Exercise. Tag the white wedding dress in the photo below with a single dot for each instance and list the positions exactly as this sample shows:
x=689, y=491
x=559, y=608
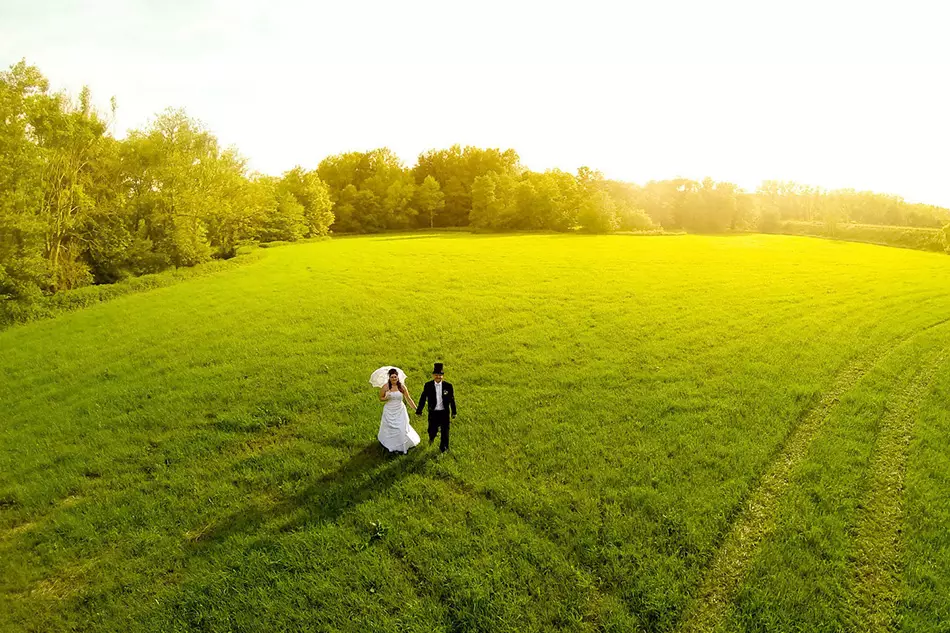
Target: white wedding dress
x=395, y=432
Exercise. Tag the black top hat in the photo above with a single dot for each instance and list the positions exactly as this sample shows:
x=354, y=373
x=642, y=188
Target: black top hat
x=437, y=369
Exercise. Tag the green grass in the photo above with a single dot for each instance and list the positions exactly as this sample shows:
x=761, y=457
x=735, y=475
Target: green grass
x=925, y=561
x=203, y=456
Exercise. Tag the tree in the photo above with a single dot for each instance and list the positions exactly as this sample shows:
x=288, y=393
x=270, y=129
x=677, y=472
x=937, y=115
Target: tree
x=238, y=208
x=530, y=206
x=73, y=136
x=746, y=217
x=455, y=169
x=630, y=219
x=397, y=204
x=598, y=213
x=484, y=202
x=630, y=214
x=565, y=202
x=50, y=146
x=23, y=269
x=174, y=170
x=429, y=200
x=716, y=206
x=282, y=218
x=79, y=206
x=369, y=211
x=382, y=191
x=494, y=203
x=598, y=210
x=314, y=195
x=344, y=211
x=538, y=198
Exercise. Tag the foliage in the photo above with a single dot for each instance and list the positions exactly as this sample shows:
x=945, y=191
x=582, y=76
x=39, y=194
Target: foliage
x=715, y=207
x=44, y=307
x=313, y=195
x=371, y=191
x=429, y=200
x=456, y=168
x=924, y=239
x=78, y=206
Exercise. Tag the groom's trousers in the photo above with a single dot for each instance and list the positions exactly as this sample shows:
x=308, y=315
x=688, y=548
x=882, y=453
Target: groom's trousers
x=439, y=424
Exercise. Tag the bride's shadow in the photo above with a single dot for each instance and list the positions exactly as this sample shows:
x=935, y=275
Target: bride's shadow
x=365, y=475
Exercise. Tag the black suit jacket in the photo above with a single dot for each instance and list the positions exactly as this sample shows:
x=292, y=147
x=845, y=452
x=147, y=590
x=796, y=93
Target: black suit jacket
x=428, y=397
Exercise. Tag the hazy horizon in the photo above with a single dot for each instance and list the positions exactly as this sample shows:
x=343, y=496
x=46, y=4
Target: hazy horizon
x=843, y=96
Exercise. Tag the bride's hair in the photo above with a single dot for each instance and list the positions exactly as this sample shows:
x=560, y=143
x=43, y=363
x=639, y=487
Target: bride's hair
x=389, y=381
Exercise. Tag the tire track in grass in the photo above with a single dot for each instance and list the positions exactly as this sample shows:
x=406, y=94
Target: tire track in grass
x=877, y=568
x=756, y=519
x=603, y=598
x=441, y=592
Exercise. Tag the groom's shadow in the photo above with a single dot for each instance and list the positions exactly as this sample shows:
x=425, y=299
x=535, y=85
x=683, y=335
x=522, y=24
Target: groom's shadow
x=365, y=475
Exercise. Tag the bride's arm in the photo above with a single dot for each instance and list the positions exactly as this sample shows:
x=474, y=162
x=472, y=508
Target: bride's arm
x=382, y=393
x=405, y=392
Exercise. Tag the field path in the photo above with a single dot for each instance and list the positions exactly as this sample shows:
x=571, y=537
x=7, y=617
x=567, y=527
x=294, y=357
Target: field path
x=756, y=520
x=877, y=569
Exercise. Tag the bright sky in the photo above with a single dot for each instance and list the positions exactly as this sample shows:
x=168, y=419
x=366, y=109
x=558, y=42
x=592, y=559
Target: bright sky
x=836, y=93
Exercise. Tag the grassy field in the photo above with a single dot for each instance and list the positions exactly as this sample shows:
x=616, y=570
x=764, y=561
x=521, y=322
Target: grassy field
x=686, y=433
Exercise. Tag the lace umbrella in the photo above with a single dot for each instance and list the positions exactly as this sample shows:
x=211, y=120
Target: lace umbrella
x=381, y=376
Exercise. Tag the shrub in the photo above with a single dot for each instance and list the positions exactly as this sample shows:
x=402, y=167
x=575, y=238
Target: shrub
x=635, y=220
x=769, y=222
x=36, y=307
x=923, y=239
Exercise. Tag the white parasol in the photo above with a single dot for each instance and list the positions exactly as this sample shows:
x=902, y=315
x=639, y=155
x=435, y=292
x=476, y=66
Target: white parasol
x=381, y=376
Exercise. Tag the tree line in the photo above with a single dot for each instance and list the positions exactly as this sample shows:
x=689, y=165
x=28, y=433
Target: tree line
x=79, y=206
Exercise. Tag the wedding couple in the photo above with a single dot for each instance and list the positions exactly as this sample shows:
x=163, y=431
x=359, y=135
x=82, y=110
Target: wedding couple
x=395, y=432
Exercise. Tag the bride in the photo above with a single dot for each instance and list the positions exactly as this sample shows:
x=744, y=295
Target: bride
x=395, y=432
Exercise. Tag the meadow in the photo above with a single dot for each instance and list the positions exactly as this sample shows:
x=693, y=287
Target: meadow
x=663, y=433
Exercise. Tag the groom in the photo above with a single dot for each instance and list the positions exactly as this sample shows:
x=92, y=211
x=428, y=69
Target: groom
x=441, y=398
